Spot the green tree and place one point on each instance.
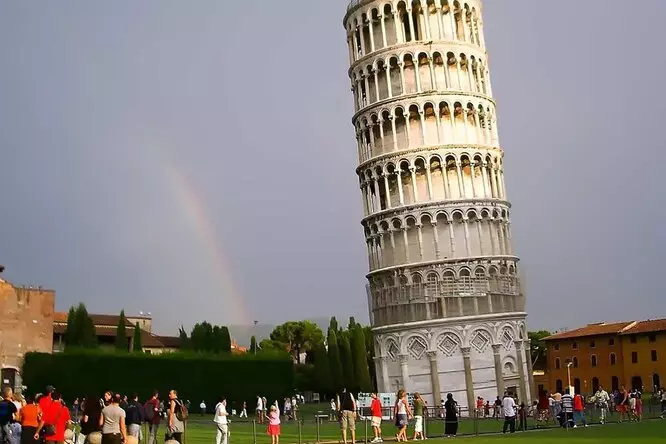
(337, 378)
(322, 370)
(71, 338)
(86, 335)
(347, 361)
(333, 324)
(361, 369)
(183, 340)
(370, 351)
(538, 348)
(253, 345)
(298, 337)
(136, 340)
(201, 337)
(121, 333)
(225, 340)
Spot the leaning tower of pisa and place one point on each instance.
(444, 295)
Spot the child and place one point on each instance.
(274, 425)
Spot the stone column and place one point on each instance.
(469, 380)
(521, 371)
(382, 373)
(404, 370)
(434, 377)
(530, 370)
(499, 378)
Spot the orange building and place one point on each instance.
(631, 353)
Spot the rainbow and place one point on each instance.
(194, 209)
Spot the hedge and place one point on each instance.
(196, 377)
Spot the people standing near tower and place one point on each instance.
(114, 429)
(202, 407)
(54, 420)
(8, 411)
(601, 399)
(176, 417)
(376, 415)
(151, 410)
(273, 429)
(450, 416)
(134, 417)
(347, 407)
(259, 410)
(402, 413)
(221, 421)
(419, 406)
(509, 411)
(90, 419)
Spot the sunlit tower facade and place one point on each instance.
(444, 295)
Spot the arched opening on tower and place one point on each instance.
(372, 85)
(394, 191)
(472, 133)
(458, 18)
(415, 129)
(454, 72)
(433, 20)
(452, 177)
(459, 123)
(409, 71)
(437, 178)
(475, 21)
(475, 75)
(448, 24)
(377, 143)
(431, 133)
(389, 25)
(401, 129)
(421, 180)
(465, 82)
(445, 123)
(424, 72)
(376, 29)
(383, 201)
(406, 181)
(470, 25)
(440, 71)
(428, 236)
(395, 76)
(357, 40)
(387, 128)
(365, 27)
(381, 80)
(418, 21)
(399, 239)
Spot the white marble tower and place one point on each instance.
(443, 289)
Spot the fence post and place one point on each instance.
(317, 421)
(365, 421)
(300, 430)
(476, 422)
(254, 431)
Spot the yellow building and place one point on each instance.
(630, 353)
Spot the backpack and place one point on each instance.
(148, 411)
(181, 411)
(133, 413)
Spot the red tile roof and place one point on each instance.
(98, 319)
(649, 326)
(592, 330)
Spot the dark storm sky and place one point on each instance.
(196, 159)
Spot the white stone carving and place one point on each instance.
(417, 347)
(448, 343)
(480, 341)
(507, 338)
(392, 350)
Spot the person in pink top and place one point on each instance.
(273, 425)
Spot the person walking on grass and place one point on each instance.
(259, 410)
(175, 417)
(509, 410)
(601, 399)
(273, 429)
(376, 414)
(450, 416)
(663, 403)
(419, 406)
(347, 408)
(221, 421)
(402, 414)
(92, 411)
(134, 418)
(151, 411)
(112, 420)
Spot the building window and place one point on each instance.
(633, 339)
(592, 344)
(556, 347)
(574, 346)
(593, 359)
(653, 354)
(612, 359)
(634, 357)
(558, 386)
(575, 362)
(652, 337)
(557, 363)
(611, 341)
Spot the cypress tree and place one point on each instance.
(183, 340)
(253, 345)
(322, 370)
(337, 378)
(347, 362)
(71, 338)
(136, 341)
(225, 342)
(84, 328)
(121, 333)
(361, 370)
(370, 351)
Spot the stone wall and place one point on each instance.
(26, 322)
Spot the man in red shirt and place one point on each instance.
(151, 411)
(56, 418)
(579, 410)
(376, 413)
(46, 399)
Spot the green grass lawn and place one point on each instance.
(646, 432)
